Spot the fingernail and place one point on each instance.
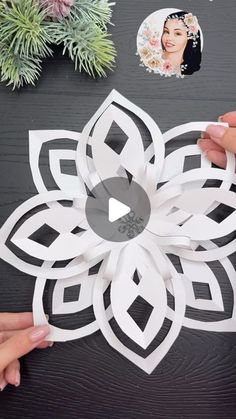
(220, 119)
(205, 154)
(50, 344)
(17, 379)
(216, 132)
(203, 135)
(199, 142)
(3, 384)
(39, 333)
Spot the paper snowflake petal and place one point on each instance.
(98, 128)
(148, 363)
(60, 307)
(137, 282)
(65, 182)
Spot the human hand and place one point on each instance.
(217, 139)
(17, 338)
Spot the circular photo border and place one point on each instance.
(151, 50)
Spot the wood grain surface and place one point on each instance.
(87, 379)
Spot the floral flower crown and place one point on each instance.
(191, 22)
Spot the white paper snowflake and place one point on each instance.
(138, 270)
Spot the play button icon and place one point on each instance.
(117, 210)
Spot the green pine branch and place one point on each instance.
(87, 44)
(26, 32)
(21, 28)
(18, 70)
(97, 11)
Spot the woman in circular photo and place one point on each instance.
(170, 44)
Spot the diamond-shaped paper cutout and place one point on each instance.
(45, 235)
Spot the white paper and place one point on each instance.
(178, 224)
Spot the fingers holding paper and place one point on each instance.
(17, 338)
(219, 139)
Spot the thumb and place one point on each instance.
(21, 343)
(225, 137)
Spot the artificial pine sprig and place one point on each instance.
(21, 28)
(23, 42)
(97, 11)
(28, 27)
(18, 70)
(87, 44)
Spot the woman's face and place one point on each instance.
(174, 37)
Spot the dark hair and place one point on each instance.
(192, 54)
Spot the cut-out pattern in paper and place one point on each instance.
(161, 278)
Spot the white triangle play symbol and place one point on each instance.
(117, 210)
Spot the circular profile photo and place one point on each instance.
(170, 43)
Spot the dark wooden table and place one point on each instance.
(86, 378)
